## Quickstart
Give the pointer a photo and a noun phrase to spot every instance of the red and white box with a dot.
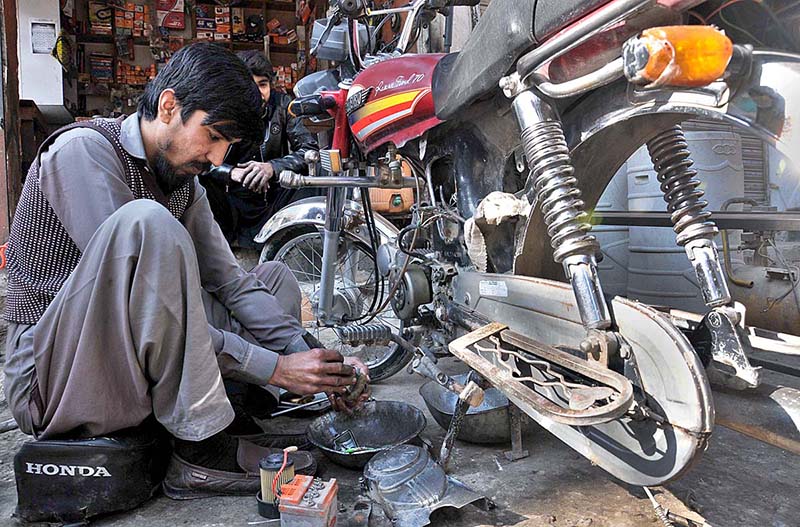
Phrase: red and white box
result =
(170, 14)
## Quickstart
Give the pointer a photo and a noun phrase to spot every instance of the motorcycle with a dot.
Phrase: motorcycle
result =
(511, 141)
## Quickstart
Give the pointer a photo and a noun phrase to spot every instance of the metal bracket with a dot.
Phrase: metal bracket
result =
(720, 338)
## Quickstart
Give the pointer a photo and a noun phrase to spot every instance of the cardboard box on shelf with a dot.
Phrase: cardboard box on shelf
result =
(206, 23)
(285, 40)
(171, 19)
(237, 20)
(273, 25)
(99, 18)
(205, 35)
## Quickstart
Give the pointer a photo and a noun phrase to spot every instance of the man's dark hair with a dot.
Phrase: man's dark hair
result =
(209, 78)
(258, 63)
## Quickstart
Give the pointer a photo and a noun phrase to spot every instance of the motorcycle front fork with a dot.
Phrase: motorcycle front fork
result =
(557, 195)
(334, 222)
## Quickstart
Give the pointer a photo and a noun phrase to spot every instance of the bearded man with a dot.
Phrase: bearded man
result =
(125, 303)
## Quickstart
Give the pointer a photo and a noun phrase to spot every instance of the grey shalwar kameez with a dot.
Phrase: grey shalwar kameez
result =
(156, 312)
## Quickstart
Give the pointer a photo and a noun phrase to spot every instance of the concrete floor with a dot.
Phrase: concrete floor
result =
(738, 482)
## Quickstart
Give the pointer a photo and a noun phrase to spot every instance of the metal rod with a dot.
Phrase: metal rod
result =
(298, 407)
(726, 250)
(393, 10)
(751, 221)
(446, 450)
(770, 414)
(448, 30)
(411, 20)
(294, 180)
(605, 75)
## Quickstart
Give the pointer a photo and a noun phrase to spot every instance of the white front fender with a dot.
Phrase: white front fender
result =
(311, 212)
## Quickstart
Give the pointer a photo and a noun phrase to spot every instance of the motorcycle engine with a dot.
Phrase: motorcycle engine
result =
(413, 280)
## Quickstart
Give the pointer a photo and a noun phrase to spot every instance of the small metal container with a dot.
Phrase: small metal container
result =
(488, 423)
(352, 440)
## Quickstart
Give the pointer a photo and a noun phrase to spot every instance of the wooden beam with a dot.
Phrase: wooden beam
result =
(10, 167)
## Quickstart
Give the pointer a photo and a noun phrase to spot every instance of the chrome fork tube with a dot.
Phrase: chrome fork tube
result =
(559, 198)
(334, 220)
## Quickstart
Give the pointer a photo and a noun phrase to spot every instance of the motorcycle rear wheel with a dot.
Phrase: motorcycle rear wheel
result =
(300, 249)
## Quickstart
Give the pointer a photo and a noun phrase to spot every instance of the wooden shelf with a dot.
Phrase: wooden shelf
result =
(108, 39)
(246, 44)
(270, 5)
(277, 48)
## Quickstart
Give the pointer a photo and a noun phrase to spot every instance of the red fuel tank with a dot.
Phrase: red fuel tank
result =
(391, 101)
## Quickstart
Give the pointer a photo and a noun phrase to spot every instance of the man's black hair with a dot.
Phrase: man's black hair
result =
(209, 78)
(258, 63)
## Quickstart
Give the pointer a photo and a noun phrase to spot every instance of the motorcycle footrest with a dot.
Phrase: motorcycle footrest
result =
(370, 334)
(543, 394)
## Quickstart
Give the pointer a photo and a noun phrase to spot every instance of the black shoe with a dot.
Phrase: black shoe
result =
(186, 481)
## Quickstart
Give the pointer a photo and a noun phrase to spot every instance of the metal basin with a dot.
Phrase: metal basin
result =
(488, 423)
(379, 426)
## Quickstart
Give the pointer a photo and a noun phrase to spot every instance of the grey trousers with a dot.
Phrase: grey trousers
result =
(128, 336)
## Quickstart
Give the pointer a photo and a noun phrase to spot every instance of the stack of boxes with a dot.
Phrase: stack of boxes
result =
(206, 23)
(135, 75)
(101, 66)
(286, 76)
(132, 19)
(219, 23)
(279, 34)
(222, 17)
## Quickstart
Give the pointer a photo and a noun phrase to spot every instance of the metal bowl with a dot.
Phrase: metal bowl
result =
(488, 423)
(379, 426)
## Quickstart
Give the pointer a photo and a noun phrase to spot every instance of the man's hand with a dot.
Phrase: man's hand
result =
(253, 175)
(350, 402)
(313, 371)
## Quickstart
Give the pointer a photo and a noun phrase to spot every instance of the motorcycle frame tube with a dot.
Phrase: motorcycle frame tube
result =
(764, 101)
(574, 35)
(341, 130)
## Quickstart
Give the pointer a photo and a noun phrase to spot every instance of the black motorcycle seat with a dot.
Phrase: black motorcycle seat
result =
(72, 480)
(507, 30)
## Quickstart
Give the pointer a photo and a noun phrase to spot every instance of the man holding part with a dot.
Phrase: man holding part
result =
(125, 302)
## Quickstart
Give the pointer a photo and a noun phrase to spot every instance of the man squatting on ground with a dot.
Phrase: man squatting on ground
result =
(124, 299)
(243, 192)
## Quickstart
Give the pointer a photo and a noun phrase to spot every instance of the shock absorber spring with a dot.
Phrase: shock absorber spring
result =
(552, 172)
(555, 187)
(673, 164)
(692, 224)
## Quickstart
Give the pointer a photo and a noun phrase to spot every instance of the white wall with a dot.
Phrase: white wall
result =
(40, 75)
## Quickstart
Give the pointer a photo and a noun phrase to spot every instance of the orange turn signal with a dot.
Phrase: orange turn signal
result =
(677, 56)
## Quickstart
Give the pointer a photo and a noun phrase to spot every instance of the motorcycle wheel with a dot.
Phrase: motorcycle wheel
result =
(300, 249)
